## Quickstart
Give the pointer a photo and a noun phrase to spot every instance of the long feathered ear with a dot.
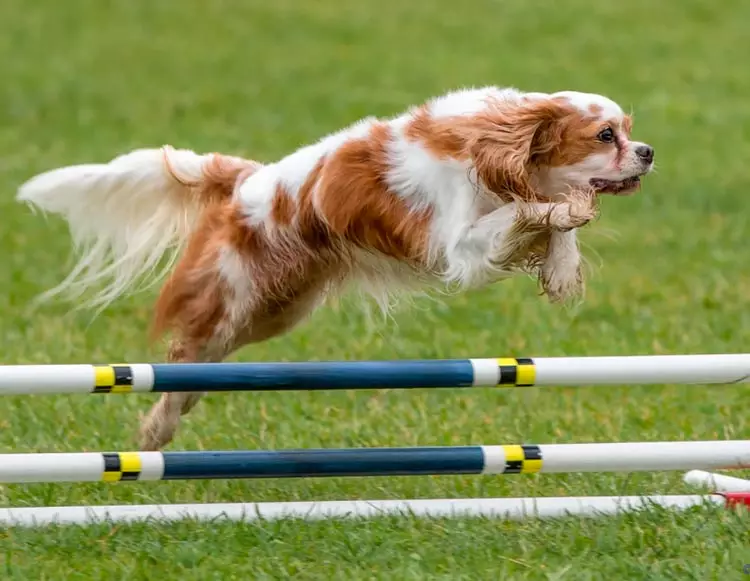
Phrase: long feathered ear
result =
(506, 140)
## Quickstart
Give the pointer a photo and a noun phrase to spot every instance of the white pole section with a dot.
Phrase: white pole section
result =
(45, 379)
(502, 508)
(643, 369)
(716, 482)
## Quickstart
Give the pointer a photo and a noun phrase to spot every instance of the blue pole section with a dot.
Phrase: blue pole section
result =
(323, 462)
(312, 375)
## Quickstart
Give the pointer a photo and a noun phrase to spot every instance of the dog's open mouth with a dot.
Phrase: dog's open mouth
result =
(625, 186)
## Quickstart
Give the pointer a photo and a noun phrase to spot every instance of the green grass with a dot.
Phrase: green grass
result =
(85, 80)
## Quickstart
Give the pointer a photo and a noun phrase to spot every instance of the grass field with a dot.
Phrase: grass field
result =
(85, 80)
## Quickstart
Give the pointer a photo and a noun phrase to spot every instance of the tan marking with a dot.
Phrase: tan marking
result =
(192, 299)
(309, 224)
(282, 206)
(438, 136)
(358, 206)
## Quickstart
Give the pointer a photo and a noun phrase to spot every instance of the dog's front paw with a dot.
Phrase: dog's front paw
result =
(561, 282)
(560, 273)
(572, 214)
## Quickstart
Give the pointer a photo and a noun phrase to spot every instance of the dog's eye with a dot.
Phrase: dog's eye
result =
(606, 135)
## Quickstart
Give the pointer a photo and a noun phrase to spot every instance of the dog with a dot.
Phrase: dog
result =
(469, 188)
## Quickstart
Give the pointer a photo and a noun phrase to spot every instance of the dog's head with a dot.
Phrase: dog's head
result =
(546, 145)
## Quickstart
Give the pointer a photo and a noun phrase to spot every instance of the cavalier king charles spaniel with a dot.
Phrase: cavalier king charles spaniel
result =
(466, 189)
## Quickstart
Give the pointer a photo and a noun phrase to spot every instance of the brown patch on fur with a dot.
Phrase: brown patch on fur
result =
(438, 136)
(192, 299)
(595, 109)
(282, 208)
(309, 224)
(220, 175)
(234, 231)
(354, 199)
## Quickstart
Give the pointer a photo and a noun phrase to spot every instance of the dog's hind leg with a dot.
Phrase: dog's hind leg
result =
(159, 426)
(234, 285)
(195, 304)
(213, 325)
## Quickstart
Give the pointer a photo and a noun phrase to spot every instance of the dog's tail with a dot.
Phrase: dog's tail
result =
(127, 215)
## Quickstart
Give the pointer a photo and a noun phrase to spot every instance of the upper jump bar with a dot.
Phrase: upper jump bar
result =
(331, 375)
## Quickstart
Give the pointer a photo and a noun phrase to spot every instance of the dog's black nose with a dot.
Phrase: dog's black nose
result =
(645, 152)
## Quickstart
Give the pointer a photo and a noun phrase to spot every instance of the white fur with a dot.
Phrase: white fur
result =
(471, 101)
(583, 101)
(124, 216)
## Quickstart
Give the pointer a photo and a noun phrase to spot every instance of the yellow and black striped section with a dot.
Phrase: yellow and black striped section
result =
(522, 459)
(520, 371)
(121, 466)
(113, 379)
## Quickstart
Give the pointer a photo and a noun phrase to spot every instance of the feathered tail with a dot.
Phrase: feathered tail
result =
(127, 215)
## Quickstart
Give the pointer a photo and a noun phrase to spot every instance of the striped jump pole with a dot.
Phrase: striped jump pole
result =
(497, 508)
(331, 375)
(510, 459)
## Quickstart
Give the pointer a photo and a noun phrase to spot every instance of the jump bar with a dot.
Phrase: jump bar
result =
(334, 375)
(508, 459)
(497, 508)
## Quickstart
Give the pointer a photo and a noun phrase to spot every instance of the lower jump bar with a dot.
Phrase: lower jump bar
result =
(509, 459)
(498, 508)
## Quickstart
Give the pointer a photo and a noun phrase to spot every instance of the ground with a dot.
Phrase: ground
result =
(85, 80)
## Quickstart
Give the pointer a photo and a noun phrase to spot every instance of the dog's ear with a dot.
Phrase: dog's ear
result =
(507, 140)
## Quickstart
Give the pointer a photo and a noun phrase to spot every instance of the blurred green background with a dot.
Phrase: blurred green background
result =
(86, 80)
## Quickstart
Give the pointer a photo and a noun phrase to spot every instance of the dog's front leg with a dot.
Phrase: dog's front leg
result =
(494, 245)
(499, 242)
(560, 273)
